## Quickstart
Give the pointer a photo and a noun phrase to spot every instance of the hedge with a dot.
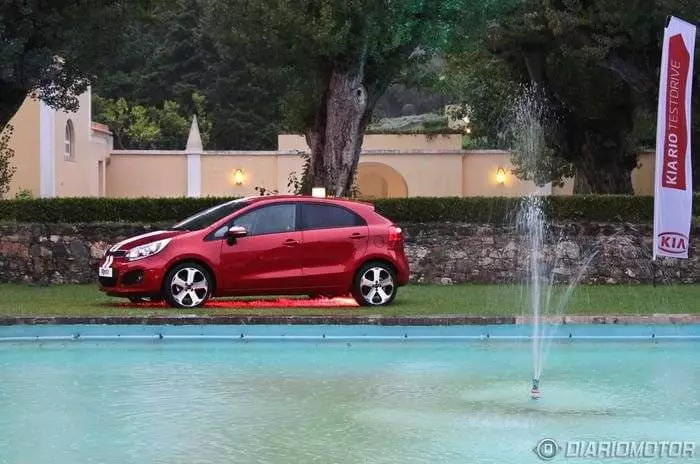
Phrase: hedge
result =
(603, 208)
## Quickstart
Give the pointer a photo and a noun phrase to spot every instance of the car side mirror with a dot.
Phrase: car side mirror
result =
(234, 233)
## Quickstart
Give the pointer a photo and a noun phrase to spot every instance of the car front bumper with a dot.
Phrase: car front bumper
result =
(120, 277)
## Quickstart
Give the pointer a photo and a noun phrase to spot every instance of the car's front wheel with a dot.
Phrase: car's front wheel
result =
(187, 285)
(374, 284)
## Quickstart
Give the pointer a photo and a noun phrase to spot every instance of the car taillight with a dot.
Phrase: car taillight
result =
(395, 239)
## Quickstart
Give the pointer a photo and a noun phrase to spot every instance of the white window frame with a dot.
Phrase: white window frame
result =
(69, 141)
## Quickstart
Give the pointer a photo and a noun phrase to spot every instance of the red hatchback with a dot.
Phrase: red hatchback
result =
(266, 245)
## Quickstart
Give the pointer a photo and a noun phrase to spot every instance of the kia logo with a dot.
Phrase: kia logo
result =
(673, 242)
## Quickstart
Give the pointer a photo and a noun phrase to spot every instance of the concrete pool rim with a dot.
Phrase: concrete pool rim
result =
(336, 319)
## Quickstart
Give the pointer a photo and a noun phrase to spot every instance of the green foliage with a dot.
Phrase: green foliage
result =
(299, 184)
(68, 210)
(52, 50)
(146, 127)
(24, 194)
(309, 40)
(483, 84)
(7, 170)
(528, 125)
(500, 210)
(263, 191)
(428, 124)
(596, 60)
(178, 54)
(487, 210)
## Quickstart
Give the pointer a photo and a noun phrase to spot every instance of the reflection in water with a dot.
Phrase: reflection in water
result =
(321, 302)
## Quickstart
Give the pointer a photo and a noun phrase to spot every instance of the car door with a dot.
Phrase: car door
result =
(334, 238)
(268, 257)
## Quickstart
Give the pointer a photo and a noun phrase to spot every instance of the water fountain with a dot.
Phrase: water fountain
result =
(530, 119)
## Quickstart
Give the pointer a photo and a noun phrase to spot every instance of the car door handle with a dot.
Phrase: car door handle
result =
(290, 242)
(357, 235)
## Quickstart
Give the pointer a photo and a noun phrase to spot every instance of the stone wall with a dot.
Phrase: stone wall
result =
(614, 253)
(438, 253)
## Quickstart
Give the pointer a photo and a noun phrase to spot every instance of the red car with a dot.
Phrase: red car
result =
(266, 245)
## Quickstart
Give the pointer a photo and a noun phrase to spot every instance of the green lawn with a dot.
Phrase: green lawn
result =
(476, 300)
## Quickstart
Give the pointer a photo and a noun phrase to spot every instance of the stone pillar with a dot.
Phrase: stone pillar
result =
(194, 151)
(47, 150)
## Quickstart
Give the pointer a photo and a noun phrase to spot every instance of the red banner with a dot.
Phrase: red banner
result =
(673, 173)
(676, 139)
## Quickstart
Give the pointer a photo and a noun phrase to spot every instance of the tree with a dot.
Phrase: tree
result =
(339, 57)
(51, 50)
(177, 54)
(596, 63)
(484, 87)
(139, 127)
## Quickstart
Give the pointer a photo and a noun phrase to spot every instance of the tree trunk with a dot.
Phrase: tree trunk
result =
(336, 137)
(606, 164)
(581, 185)
(606, 181)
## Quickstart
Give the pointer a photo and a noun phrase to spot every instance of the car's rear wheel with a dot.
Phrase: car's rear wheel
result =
(187, 285)
(374, 284)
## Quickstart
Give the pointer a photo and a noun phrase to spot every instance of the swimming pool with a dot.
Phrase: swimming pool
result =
(286, 394)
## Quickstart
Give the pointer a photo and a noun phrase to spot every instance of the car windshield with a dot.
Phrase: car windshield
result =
(210, 216)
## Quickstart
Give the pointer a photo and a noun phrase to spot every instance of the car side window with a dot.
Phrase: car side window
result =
(317, 216)
(271, 219)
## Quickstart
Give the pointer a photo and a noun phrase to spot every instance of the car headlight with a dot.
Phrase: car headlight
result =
(149, 249)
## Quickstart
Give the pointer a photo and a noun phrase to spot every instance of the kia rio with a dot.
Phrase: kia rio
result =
(266, 245)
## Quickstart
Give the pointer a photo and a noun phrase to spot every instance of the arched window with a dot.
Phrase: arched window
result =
(69, 143)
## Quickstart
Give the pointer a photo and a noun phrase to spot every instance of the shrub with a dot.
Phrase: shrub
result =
(75, 210)
(7, 170)
(613, 208)
(603, 208)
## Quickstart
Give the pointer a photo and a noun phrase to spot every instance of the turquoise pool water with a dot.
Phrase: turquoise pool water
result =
(335, 400)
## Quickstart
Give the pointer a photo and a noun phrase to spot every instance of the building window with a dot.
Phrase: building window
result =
(69, 143)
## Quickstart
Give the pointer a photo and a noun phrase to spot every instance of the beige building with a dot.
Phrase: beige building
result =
(67, 155)
(58, 153)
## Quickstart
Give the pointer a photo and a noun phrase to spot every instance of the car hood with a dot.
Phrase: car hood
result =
(142, 239)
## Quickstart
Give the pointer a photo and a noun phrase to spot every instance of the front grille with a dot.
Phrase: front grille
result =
(110, 281)
(118, 253)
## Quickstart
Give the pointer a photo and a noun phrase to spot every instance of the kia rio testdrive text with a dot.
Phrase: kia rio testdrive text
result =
(266, 245)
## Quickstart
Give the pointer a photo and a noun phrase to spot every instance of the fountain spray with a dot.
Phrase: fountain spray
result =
(530, 116)
(531, 119)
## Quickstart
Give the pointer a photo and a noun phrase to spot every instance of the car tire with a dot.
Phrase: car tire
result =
(374, 284)
(187, 285)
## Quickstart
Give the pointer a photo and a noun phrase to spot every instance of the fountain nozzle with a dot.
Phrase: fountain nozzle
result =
(535, 392)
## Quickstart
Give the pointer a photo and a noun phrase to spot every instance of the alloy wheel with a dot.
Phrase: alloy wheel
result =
(377, 286)
(189, 287)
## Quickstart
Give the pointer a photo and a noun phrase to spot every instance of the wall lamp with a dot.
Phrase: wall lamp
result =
(501, 176)
(238, 177)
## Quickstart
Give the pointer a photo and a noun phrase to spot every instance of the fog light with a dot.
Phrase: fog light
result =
(132, 278)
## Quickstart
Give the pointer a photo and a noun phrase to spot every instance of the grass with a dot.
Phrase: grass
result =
(476, 300)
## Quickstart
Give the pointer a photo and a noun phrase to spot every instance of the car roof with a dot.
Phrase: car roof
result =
(331, 200)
